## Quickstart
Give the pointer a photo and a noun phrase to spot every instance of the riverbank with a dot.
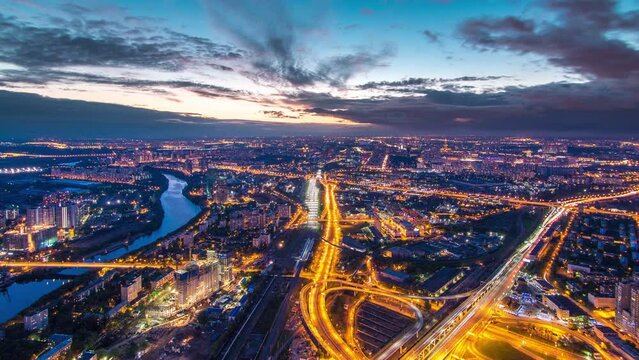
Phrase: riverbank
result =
(121, 233)
(190, 180)
(178, 212)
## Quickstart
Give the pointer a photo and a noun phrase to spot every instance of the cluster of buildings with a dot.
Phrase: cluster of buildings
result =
(449, 247)
(198, 280)
(257, 218)
(44, 226)
(110, 174)
(597, 253)
(395, 227)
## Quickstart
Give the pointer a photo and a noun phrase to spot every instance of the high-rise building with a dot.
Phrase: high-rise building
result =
(226, 267)
(197, 281)
(221, 194)
(284, 210)
(30, 240)
(263, 240)
(10, 213)
(36, 320)
(131, 288)
(214, 264)
(66, 216)
(627, 306)
(186, 283)
(40, 216)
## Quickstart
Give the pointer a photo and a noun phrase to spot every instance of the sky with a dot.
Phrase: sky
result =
(181, 68)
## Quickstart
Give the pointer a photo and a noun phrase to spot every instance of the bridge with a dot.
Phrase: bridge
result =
(94, 265)
(373, 290)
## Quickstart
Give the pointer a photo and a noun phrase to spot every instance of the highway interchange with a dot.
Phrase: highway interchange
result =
(435, 343)
(440, 340)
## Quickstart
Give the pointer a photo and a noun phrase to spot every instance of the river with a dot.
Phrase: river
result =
(178, 210)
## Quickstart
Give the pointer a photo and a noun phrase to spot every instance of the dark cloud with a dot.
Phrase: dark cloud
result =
(413, 84)
(98, 42)
(46, 76)
(276, 40)
(576, 39)
(431, 36)
(576, 36)
(27, 116)
(278, 114)
(337, 70)
(270, 47)
(546, 109)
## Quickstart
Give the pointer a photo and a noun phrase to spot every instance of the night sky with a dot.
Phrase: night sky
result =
(179, 68)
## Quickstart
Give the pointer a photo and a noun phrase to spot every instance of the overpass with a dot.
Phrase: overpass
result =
(372, 290)
(474, 308)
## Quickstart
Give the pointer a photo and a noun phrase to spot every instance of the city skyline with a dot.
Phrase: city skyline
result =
(319, 247)
(319, 179)
(247, 68)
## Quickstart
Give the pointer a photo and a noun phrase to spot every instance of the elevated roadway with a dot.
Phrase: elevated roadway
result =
(440, 340)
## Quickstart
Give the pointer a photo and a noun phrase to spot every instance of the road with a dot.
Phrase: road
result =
(312, 297)
(312, 196)
(250, 170)
(488, 330)
(474, 309)
(438, 342)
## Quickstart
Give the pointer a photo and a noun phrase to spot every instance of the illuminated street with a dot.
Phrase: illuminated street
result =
(314, 180)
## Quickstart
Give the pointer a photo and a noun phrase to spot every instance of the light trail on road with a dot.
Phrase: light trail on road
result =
(452, 329)
(460, 319)
(312, 300)
(312, 200)
(436, 343)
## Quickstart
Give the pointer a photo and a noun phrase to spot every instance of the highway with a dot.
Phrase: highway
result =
(437, 342)
(373, 290)
(442, 338)
(250, 170)
(464, 316)
(497, 329)
(508, 319)
(312, 297)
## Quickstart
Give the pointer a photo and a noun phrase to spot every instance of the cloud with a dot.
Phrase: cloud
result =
(276, 40)
(577, 38)
(268, 31)
(278, 114)
(27, 116)
(431, 36)
(278, 47)
(46, 76)
(339, 69)
(98, 42)
(555, 108)
(414, 84)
